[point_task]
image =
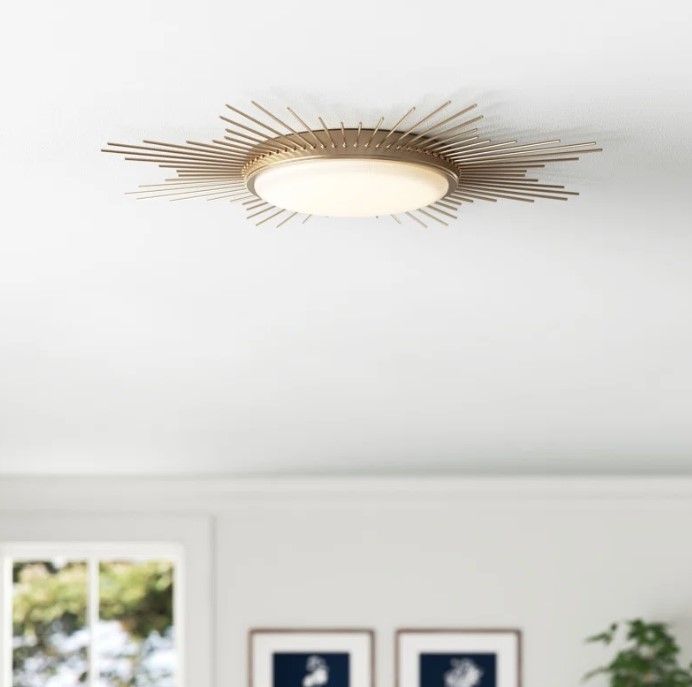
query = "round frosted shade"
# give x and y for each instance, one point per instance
(350, 187)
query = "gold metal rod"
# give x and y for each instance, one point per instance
(478, 148)
(443, 122)
(464, 199)
(201, 195)
(396, 219)
(511, 162)
(443, 138)
(180, 165)
(183, 167)
(180, 191)
(519, 176)
(473, 194)
(155, 146)
(182, 157)
(254, 204)
(413, 217)
(360, 126)
(419, 122)
(307, 127)
(196, 175)
(223, 195)
(255, 141)
(278, 121)
(252, 119)
(176, 183)
(207, 148)
(239, 146)
(448, 199)
(393, 129)
(518, 194)
(450, 205)
(148, 188)
(511, 191)
(249, 148)
(461, 144)
(288, 219)
(516, 166)
(529, 146)
(460, 140)
(264, 141)
(306, 219)
(510, 154)
(372, 136)
(261, 134)
(204, 176)
(490, 178)
(231, 164)
(172, 181)
(437, 219)
(513, 184)
(460, 153)
(326, 130)
(264, 137)
(498, 194)
(463, 125)
(266, 219)
(466, 142)
(231, 192)
(243, 149)
(527, 187)
(343, 134)
(515, 147)
(171, 155)
(235, 200)
(442, 212)
(180, 194)
(260, 212)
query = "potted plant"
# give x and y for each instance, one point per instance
(648, 656)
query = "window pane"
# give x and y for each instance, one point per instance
(135, 637)
(49, 634)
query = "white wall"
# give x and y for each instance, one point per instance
(556, 559)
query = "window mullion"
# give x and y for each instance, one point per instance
(93, 618)
(6, 607)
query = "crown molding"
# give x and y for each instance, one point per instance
(212, 494)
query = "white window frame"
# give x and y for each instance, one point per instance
(92, 553)
(185, 540)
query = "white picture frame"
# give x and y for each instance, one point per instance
(266, 647)
(458, 658)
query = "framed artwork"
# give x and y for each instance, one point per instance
(311, 658)
(458, 658)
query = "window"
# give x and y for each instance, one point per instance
(92, 615)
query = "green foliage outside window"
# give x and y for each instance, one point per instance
(135, 627)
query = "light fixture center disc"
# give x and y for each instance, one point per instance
(350, 187)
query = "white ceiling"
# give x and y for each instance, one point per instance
(148, 336)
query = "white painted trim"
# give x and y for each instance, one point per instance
(6, 617)
(93, 600)
(206, 495)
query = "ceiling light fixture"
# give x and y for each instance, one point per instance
(424, 172)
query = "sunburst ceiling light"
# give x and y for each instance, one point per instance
(425, 171)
